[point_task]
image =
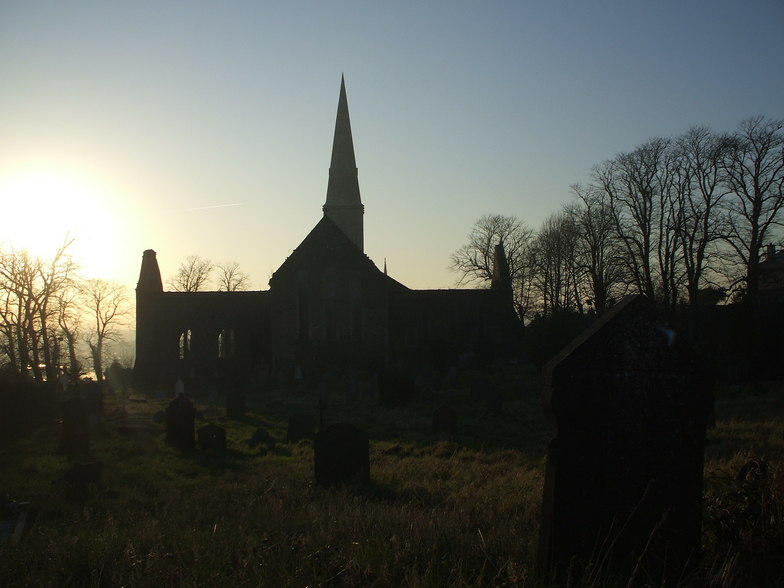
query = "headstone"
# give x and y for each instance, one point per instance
(75, 432)
(623, 483)
(445, 420)
(180, 415)
(301, 426)
(179, 388)
(341, 455)
(212, 437)
(235, 402)
(262, 436)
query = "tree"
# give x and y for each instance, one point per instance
(474, 260)
(29, 290)
(598, 248)
(107, 306)
(699, 197)
(192, 275)
(753, 171)
(231, 278)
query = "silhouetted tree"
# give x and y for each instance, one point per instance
(231, 278)
(699, 192)
(107, 306)
(474, 260)
(753, 170)
(598, 248)
(192, 275)
(29, 291)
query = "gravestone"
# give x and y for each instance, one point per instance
(623, 482)
(93, 397)
(75, 432)
(235, 402)
(301, 426)
(180, 416)
(445, 420)
(212, 438)
(262, 436)
(341, 455)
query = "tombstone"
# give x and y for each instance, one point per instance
(341, 455)
(211, 437)
(81, 480)
(301, 426)
(623, 482)
(262, 436)
(235, 403)
(75, 432)
(445, 420)
(180, 415)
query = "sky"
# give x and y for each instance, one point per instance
(205, 128)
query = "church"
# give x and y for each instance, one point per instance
(328, 307)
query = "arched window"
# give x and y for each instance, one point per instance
(226, 343)
(185, 344)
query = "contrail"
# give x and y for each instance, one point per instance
(215, 206)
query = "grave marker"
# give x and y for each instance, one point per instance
(342, 455)
(623, 483)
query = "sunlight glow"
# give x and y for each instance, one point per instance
(43, 208)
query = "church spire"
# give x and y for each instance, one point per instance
(344, 205)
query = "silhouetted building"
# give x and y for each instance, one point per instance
(328, 306)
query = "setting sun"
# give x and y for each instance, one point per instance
(43, 208)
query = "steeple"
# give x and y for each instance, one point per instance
(343, 204)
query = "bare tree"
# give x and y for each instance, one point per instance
(107, 306)
(598, 248)
(231, 278)
(29, 288)
(699, 193)
(192, 275)
(753, 170)
(474, 260)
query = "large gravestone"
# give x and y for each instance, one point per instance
(180, 416)
(623, 484)
(342, 455)
(75, 432)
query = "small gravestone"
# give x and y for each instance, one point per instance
(180, 416)
(75, 432)
(262, 436)
(235, 403)
(445, 420)
(341, 455)
(212, 438)
(623, 482)
(301, 426)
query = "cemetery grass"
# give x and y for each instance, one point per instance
(441, 510)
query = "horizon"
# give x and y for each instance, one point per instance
(208, 131)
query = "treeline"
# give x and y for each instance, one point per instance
(47, 311)
(684, 221)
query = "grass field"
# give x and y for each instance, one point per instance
(441, 510)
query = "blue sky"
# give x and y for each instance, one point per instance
(124, 122)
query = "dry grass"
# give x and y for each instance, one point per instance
(457, 510)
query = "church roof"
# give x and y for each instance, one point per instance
(326, 243)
